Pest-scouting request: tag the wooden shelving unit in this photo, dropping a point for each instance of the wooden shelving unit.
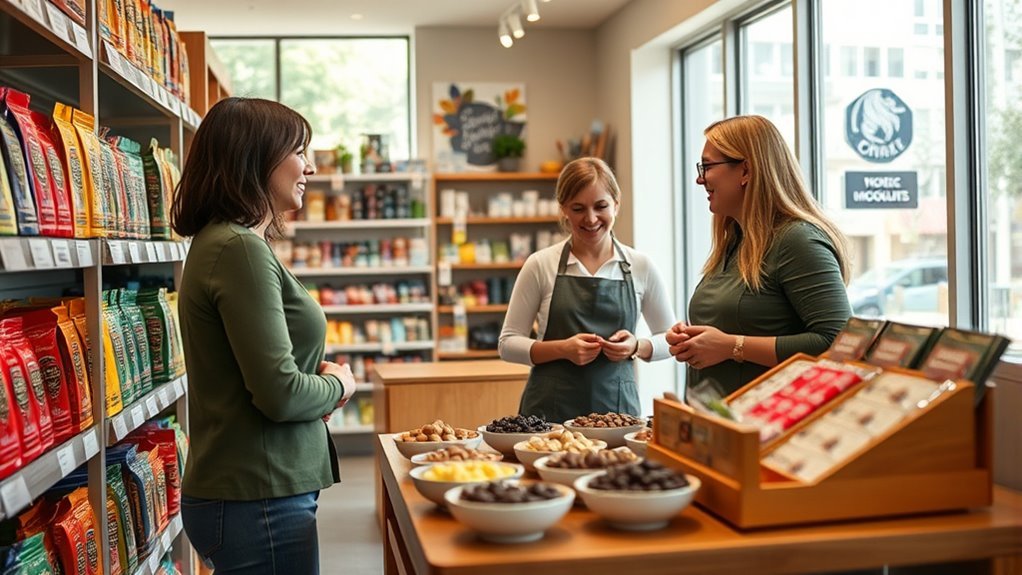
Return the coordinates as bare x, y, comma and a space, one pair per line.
470, 354
482, 221
497, 177
210, 81
492, 308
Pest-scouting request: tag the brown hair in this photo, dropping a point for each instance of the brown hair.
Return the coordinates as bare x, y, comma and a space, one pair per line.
226, 176
775, 195
581, 173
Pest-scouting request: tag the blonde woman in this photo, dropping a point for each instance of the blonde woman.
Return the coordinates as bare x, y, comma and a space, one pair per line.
585, 294
774, 283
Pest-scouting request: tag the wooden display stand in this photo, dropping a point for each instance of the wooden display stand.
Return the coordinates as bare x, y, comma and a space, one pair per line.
936, 459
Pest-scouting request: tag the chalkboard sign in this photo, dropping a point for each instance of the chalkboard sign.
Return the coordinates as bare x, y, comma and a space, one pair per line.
467, 116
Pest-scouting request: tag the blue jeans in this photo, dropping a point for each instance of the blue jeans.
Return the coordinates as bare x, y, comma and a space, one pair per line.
267, 536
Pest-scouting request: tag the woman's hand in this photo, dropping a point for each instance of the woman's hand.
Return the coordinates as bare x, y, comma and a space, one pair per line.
343, 373
622, 345
581, 348
675, 337
702, 346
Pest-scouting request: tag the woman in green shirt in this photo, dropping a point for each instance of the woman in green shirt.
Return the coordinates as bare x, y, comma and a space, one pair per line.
774, 283
258, 388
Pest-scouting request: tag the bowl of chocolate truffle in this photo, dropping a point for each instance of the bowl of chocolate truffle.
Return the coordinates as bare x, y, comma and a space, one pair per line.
503, 433
509, 512
609, 427
637, 497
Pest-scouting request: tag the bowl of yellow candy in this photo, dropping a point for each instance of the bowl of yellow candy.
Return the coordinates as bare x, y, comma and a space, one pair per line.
432, 481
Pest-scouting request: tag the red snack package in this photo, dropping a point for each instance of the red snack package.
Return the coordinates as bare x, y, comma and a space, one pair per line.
26, 416
69, 536
10, 440
35, 159
82, 509
12, 330
58, 178
164, 441
40, 328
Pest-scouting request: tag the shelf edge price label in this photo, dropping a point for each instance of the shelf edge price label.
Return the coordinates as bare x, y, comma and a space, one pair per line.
134, 255
151, 407
443, 273
165, 538
91, 443
34, 9
150, 251
163, 397
179, 388
154, 562
81, 36
12, 253
62, 253
42, 257
58, 22
66, 460
137, 416
116, 251
15, 495
161, 251
120, 427
113, 58
84, 253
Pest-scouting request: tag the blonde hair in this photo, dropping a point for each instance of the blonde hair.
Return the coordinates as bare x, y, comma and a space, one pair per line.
578, 175
775, 195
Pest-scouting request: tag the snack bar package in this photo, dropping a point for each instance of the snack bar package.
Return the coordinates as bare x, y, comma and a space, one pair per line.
17, 176
40, 327
100, 207
11, 330
55, 169
16, 105
74, 166
73, 355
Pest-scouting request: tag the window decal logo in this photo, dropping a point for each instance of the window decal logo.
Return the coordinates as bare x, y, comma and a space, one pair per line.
878, 125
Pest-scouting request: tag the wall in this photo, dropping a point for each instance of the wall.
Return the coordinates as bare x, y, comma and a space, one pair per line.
558, 68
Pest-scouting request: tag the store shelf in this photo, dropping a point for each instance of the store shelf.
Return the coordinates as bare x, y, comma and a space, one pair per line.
127, 252
363, 387
26, 254
353, 430
379, 347
389, 271
483, 220
161, 545
491, 266
377, 224
379, 309
470, 354
141, 410
19, 490
496, 177
119, 69
495, 308
369, 178
46, 20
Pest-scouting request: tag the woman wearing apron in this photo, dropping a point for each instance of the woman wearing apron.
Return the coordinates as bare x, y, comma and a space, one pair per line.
585, 294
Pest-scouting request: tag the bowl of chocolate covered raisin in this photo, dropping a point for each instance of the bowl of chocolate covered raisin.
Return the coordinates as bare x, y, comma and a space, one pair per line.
564, 468
455, 453
639, 496
610, 427
434, 436
503, 433
508, 511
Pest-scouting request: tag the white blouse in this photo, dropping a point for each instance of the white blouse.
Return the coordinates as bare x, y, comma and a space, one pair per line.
530, 299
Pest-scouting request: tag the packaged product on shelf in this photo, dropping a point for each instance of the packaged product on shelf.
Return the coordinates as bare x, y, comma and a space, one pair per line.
901, 345
22, 366
111, 23
66, 141
16, 109
72, 355
129, 167
113, 179
127, 335
36, 520
18, 178
100, 208
118, 380
179, 357
127, 552
40, 328
140, 492
74, 9
10, 442
70, 538
964, 354
113, 534
159, 192
76, 308
164, 442
58, 177
79, 499
155, 316
855, 339
8, 211
155, 462
28, 556
127, 299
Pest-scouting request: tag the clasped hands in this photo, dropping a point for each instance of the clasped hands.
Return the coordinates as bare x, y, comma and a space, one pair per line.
700, 346
583, 348
343, 373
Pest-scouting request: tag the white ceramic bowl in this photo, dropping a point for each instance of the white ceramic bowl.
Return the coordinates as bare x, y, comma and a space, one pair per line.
636, 510
410, 448
528, 457
637, 446
434, 490
614, 436
505, 442
509, 522
420, 459
559, 475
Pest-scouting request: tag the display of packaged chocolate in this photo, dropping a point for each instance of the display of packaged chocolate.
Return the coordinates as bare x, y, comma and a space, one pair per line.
961, 354
855, 339
769, 386
901, 345
805, 464
898, 390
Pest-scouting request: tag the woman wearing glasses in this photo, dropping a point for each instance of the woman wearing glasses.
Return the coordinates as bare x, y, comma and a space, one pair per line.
774, 283
585, 294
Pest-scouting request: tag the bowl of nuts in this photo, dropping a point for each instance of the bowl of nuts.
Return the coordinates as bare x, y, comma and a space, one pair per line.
637, 440
502, 434
434, 479
565, 468
637, 497
455, 453
609, 427
509, 512
433, 436
561, 440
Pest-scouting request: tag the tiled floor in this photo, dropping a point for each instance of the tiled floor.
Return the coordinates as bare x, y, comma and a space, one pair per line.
349, 540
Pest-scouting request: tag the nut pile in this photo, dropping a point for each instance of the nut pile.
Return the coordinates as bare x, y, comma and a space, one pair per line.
593, 459
503, 492
459, 453
468, 471
606, 420
436, 431
561, 440
645, 476
644, 434
519, 424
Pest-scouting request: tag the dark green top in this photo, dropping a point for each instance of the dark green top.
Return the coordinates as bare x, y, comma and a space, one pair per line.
253, 338
802, 301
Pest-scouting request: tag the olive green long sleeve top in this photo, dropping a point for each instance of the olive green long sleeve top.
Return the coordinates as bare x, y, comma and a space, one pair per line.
802, 302
253, 341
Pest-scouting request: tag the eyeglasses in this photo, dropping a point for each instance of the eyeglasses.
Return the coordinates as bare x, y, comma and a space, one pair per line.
701, 166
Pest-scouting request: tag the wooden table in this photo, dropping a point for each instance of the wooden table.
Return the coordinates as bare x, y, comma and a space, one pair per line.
421, 539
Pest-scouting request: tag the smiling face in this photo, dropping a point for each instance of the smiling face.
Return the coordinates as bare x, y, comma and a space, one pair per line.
287, 181
591, 214
724, 183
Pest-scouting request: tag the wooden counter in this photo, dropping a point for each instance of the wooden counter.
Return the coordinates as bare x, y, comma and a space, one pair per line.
421, 539
462, 393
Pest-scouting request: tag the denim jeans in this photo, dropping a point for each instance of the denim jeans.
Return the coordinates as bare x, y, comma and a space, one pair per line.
263, 537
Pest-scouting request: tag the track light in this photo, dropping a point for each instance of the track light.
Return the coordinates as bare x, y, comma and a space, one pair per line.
505, 36
515, 22
531, 11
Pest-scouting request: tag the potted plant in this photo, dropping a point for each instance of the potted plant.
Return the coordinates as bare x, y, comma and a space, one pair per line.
344, 158
508, 148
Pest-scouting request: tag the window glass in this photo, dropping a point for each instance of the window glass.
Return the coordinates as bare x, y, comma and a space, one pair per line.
1003, 84
252, 65
766, 69
884, 154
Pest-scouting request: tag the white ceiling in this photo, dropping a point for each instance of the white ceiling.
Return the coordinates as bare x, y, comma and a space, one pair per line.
334, 17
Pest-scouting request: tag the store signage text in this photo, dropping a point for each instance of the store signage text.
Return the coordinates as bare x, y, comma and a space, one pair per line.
878, 190
878, 125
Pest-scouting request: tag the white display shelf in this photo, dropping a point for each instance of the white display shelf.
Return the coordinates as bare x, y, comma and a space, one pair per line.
141, 410
377, 224
19, 490
127, 252
30, 254
370, 178
362, 387
142, 85
161, 545
379, 347
355, 271
352, 430
378, 308
48, 21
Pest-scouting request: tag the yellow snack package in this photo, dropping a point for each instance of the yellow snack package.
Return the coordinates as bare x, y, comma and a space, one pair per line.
99, 208
75, 168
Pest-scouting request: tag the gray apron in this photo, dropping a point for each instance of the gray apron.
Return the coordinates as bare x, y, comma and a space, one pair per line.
560, 390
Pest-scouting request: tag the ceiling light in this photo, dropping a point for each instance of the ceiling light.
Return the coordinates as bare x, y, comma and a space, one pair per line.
515, 22
530, 9
505, 37
356, 16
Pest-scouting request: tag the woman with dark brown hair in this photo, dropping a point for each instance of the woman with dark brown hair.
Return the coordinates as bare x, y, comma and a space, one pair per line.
258, 388
586, 294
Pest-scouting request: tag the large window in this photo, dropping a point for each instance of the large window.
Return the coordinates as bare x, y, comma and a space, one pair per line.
345, 87
767, 88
